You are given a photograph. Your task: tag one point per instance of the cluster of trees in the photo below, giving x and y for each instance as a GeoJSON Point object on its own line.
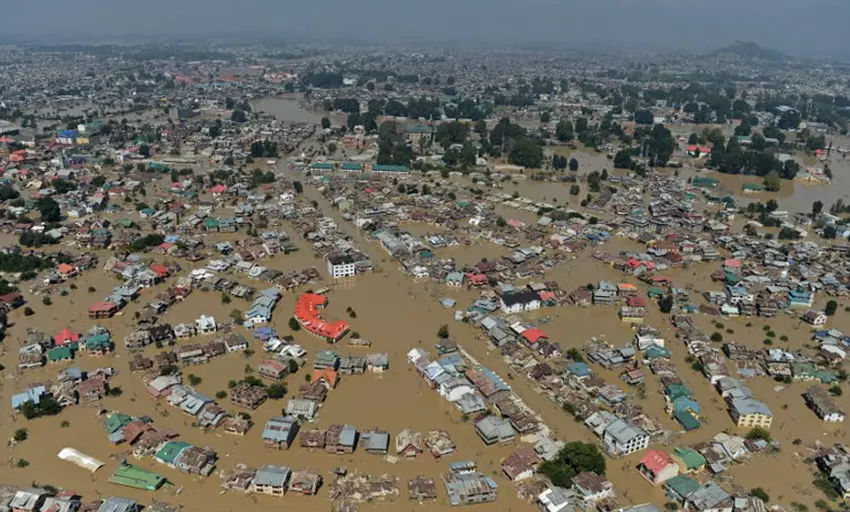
{"type": "Point", "coordinates": [7, 193]}
{"type": "Point", "coordinates": [259, 177]}
{"type": "Point", "coordinates": [323, 79]}
{"type": "Point", "coordinates": [392, 149]}
{"type": "Point", "coordinates": [571, 460]}
{"type": "Point", "coordinates": [732, 158]}
{"type": "Point", "coordinates": [49, 210]}
{"type": "Point", "coordinates": [33, 239]}
{"type": "Point", "coordinates": [147, 241]}
{"type": "Point", "coordinates": [45, 407]}
{"type": "Point", "coordinates": [24, 263]}
{"type": "Point", "coordinates": [264, 149]}
{"type": "Point", "coordinates": [512, 139]}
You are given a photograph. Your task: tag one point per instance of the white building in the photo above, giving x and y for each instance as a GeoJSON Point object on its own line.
{"type": "Point", "coordinates": [341, 265]}
{"type": "Point", "coordinates": [518, 302]}
{"type": "Point", "coordinates": [623, 437]}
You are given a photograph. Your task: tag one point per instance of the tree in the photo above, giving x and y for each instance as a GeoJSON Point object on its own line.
{"type": "Point", "coordinates": [760, 493]}
{"type": "Point", "coordinates": [831, 308]}
{"type": "Point", "coordinates": [772, 182]}
{"type": "Point", "coordinates": [759, 433]}
{"type": "Point", "coordinates": [20, 435]}
{"type": "Point", "coordinates": [298, 187]}
{"type": "Point", "coordinates": [575, 190]}
{"type": "Point", "coordinates": [572, 459]}
{"type": "Point", "coordinates": [545, 117]}
{"type": "Point", "coordinates": [666, 304]}
{"type": "Point", "coordinates": [644, 117]}
{"type": "Point", "coordinates": [716, 337]}
{"type": "Point", "coordinates": [276, 391]}
{"type": "Point", "coordinates": [501, 222]}
{"type": "Point", "coordinates": [830, 232]}
{"type": "Point", "coordinates": [238, 116]}
{"type": "Point", "coordinates": [693, 139]}
{"type": "Point", "coordinates": [573, 164]}
{"type": "Point", "coordinates": [294, 325]}
{"type": "Point", "coordinates": [292, 366]}
{"type": "Point", "coordinates": [564, 131]}
{"type": "Point", "coordinates": [443, 331]}
{"type": "Point", "coordinates": [194, 380]}
{"type": "Point", "coordinates": [623, 159]}
{"type": "Point", "coordinates": [49, 210]}
{"type": "Point", "coordinates": [817, 207]}
{"type": "Point", "coordinates": [145, 150]}
{"type": "Point", "coordinates": [7, 192]}
{"type": "Point", "coordinates": [526, 154]}
{"type": "Point", "coordinates": [661, 145]}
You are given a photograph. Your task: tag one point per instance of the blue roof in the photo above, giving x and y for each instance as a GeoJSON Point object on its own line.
{"type": "Point", "coordinates": [579, 369]}
{"type": "Point", "coordinates": [32, 394]}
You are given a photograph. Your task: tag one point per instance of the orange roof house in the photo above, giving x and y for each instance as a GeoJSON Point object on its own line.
{"type": "Point", "coordinates": [307, 314]}
{"type": "Point", "coordinates": [327, 375]}
{"type": "Point", "coordinates": [66, 270]}
{"type": "Point", "coordinates": [534, 335]}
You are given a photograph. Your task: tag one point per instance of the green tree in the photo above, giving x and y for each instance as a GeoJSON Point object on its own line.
{"type": "Point", "coordinates": [294, 325]}
{"type": "Point", "coordinates": [772, 182]}
{"type": "Point", "coordinates": [817, 207]}
{"type": "Point", "coordinates": [49, 210]}
{"type": "Point", "coordinates": [573, 164]}
{"type": "Point", "coordinates": [666, 304]}
{"type": "Point", "coordinates": [661, 145]}
{"type": "Point", "coordinates": [623, 159]}
{"type": "Point", "coordinates": [759, 433]}
{"type": "Point", "coordinates": [20, 435]}
{"type": "Point", "coordinates": [276, 391]}
{"type": "Point", "coordinates": [526, 154]}
{"type": "Point", "coordinates": [831, 308]}
{"type": "Point", "coordinates": [326, 123]}
{"type": "Point", "coordinates": [298, 187]}
{"type": "Point", "coordinates": [443, 331]}
{"type": "Point", "coordinates": [760, 493]}
{"type": "Point", "coordinates": [644, 117]}
{"type": "Point", "coordinates": [575, 190]}
{"type": "Point", "coordinates": [238, 116]}
{"type": "Point", "coordinates": [564, 131]}
{"type": "Point", "coordinates": [572, 459]}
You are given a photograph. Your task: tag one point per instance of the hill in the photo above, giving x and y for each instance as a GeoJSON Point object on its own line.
{"type": "Point", "coordinates": [749, 50]}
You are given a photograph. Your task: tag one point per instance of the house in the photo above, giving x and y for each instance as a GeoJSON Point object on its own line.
{"type": "Point", "coordinates": [824, 406]}
{"type": "Point", "coordinates": [375, 441]}
{"type": "Point", "coordinates": [116, 504]}
{"type": "Point", "coordinates": [439, 443]}
{"type": "Point", "coordinates": [814, 318]}
{"type": "Point", "coordinates": [520, 464]}
{"type": "Point", "coordinates": [271, 480]}
{"type": "Point", "coordinates": [556, 499]}
{"type": "Point", "coordinates": [205, 324]}
{"type": "Point", "coordinates": [33, 394]}
{"type": "Point", "coordinates": [340, 439]}
{"type": "Point", "coordinates": [657, 467]}
{"type": "Point", "coordinates": [494, 430]}
{"type": "Point", "coordinates": [518, 302]}
{"type": "Point", "coordinates": [679, 488]}
{"type": "Point", "coordinates": [623, 437]}
{"type": "Point", "coordinates": [306, 481]}
{"type": "Point", "coordinates": [273, 370]}
{"type": "Point", "coordinates": [280, 432]}
{"type": "Point", "coordinates": [161, 386]}
{"type": "Point", "coordinates": [466, 486]}
{"type": "Point", "coordinates": [422, 488]}
{"type": "Point", "coordinates": [591, 488]}
{"type": "Point", "coordinates": [28, 500]}
{"type": "Point", "coordinates": [710, 497]}
{"type": "Point", "coordinates": [689, 460]}
{"type": "Point", "coordinates": [408, 443]}
{"type": "Point", "coordinates": [245, 395]}
{"type": "Point", "coordinates": [102, 309]}
{"type": "Point", "coordinates": [340, 266]}
{"type": "Point", "coordinates": [750, 413]}
{"type": "Point", "coordinates": [301, 408]}
{"type": "Point", "coordinates": [235, 343]}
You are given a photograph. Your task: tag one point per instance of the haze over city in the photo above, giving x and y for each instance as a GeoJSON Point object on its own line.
{"type": "Point", "coordinates": [812, 27]}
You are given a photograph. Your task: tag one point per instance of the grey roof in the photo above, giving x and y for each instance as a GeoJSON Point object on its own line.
{"type": "Point", "coordinates": [708, 496]}
{"type": "Point", "coordinates": [271, 474]}
{"type": "Point", "coordinates": [116, 504]}
{"type": "Point", "coordinates": [279, 428]}
{"type": "Point", "coordinates": [348, 436]}
{"type": "Point", "coordinates": [623, 431]}
{"type": "Point", "coordinates": [378, 441]}
{"type": "Point", "coordinates": [750, 406]}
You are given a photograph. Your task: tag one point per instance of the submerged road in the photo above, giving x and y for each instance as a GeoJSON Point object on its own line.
{"type": "Point", "coordinates": [409, 302]}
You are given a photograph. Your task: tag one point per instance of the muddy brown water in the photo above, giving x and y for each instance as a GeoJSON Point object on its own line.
{"type": "Point", "coordinates": [396, 315]}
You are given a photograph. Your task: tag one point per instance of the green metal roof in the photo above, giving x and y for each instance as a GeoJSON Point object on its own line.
{"type": "Point", "coordinates": [390, 168]}
{"type": "Point", "coordinates": [322, 165]}
{"type": "Point", "coordinates": [60, 354]}
{"type": "Point", "coordinates": [169, 452]}
{"type": "Point", "coordinates": [116, 421]}
{"type": "Point", "coordinates": [682, 485]}
{"type": "Point", "coordinates": [138, 478]}
{"type": "Point", "coordinates": [686, 420]}
{"type": "Point", "coordinates": [691, 458]}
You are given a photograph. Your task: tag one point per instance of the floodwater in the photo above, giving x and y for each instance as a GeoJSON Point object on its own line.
{"type": "Point", "coordinates": [287, 108]}
{"type": "Point", "coordinates": [396, 314]}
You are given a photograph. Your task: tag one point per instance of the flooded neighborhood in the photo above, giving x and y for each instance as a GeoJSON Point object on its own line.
{"type": "Point", "coordinates": [237, 278]}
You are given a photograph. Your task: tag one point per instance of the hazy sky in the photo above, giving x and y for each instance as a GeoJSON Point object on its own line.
{"type": "Point", "coordinates": [794, 26]}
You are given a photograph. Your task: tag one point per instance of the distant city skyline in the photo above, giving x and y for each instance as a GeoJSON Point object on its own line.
{"type": "Point", "coordinates": [810, 27]}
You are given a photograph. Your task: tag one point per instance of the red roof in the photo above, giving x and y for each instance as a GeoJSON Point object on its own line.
{"type": "Point", "coordinates": [534, 335]}
{"type": "Point", "coordinates": [307, 314]}
{"type": "Point", "coordinates": [160, 269]}
{"type": "Point", "coordinates": [103, 306]}
{"type": "Point", "coordinates": [732, 262]}
{"type": "Point", "coordinates": [327, 374]}
{"type": "Point", "coordinates": [655, 461]}
{"type": "Point", "coordinates": [636, 302]}
{"type": "Point", "coordinates": [66, 336]}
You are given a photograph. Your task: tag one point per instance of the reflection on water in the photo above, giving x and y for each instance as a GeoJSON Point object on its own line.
{"type": "Point", "coordinates": [286, 109]}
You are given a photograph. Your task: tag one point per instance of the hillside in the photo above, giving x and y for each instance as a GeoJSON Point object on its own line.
{"type": "Point", "coordinates": [749, 50]}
